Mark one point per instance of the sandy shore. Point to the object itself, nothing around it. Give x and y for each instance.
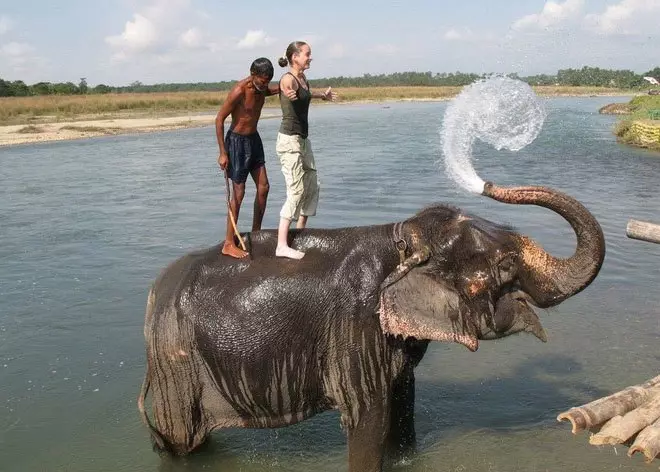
(44, 132)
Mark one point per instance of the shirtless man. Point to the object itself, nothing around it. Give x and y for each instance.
(241, 150)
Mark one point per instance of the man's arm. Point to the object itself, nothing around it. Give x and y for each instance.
(273, 90)
(233, 98)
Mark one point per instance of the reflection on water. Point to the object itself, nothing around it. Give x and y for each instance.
(87, 225)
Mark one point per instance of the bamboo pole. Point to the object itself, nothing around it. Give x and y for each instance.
(643, 230)
(621, 428)
(599, 411)
(647, 442)
(231, 214)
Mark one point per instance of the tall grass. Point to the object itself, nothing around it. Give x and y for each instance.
(16, 110)
(641, 105)
(25, 110)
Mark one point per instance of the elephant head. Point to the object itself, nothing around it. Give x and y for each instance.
(467, 279)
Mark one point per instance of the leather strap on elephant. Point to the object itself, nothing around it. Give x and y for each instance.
(400, 241)
(417, 258)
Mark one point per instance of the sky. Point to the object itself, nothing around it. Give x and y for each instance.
(116, 42)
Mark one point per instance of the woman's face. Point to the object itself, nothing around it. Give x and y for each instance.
(303, 58)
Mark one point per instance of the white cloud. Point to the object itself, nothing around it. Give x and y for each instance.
(627, 17)
(16, 50)
(193, 38)
(138, 35)
(5, 24)
(553, 14)
(253, 39)
(163, 28)
(464, 34)
(22, 60)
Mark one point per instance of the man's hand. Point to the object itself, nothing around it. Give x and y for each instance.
(291, 94)
(329, 94)
(223, 160)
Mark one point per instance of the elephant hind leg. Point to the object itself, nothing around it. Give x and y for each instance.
(366, 440)
(178, 375)
(179, 415)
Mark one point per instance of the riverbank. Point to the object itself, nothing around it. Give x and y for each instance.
(55, 118)
(636, 128)
(67, 130)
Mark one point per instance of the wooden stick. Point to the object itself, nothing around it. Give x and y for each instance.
(598, 411)
(621, 428)
(643, 230)
(647, 442)
(231, 214)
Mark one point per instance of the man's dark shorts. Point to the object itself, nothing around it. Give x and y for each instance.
(245, 152)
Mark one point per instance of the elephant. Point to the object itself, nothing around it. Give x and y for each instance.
(268, 342)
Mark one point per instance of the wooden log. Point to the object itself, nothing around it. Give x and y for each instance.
(647, 442)
(621, 428)
(599, 411)
(643, 230)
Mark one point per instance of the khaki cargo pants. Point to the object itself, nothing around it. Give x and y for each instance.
(302, 184)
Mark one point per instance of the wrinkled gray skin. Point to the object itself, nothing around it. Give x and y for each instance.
(269, 342)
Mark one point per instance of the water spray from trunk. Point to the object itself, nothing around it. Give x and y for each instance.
(503, 112)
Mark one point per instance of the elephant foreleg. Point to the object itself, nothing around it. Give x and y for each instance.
(366, 440)
(401, 440)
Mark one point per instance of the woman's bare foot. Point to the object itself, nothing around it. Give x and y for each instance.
(286, 251)
(230, 249)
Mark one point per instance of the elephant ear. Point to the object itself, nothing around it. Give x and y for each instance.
(412, 304)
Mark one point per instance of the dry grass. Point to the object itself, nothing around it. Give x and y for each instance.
(90, 129)
(30, 129)
(41, 109)
(18, 110)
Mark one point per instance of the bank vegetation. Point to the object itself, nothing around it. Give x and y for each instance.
(57, 108)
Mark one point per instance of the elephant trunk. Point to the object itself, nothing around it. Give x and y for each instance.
(550, 280)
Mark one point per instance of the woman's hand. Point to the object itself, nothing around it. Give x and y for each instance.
(329, 94)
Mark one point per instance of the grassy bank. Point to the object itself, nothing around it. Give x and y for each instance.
(636, 128)
(52, 108)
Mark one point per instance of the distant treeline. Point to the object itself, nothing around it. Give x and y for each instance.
(587, 76)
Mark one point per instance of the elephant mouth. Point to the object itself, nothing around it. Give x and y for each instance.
(513, 313)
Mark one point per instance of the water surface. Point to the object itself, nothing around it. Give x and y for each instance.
(85, 226)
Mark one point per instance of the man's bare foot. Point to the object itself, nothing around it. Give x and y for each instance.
(286, 251)
(230, 249)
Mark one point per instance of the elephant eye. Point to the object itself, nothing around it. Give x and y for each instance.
(506, 264)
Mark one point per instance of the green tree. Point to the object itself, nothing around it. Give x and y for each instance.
(82, 86)
(19, 89)
(101, 89)
(42, 88)
(5, 89)
(67, 88)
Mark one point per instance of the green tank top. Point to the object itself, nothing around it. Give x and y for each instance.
(294, 113)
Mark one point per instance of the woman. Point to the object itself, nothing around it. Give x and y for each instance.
(293, 146)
